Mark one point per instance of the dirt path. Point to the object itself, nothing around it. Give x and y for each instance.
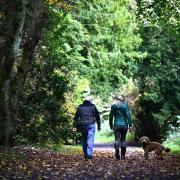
(31, 163)
(110, 145)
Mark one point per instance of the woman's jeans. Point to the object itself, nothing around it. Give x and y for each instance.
(88, 133)
(120, 138)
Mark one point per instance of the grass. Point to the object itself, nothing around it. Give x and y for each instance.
(65, 149)
(107, 135)
(104, 137)
(173, 141)
(68, 149)
(175, 148)
(101, 137)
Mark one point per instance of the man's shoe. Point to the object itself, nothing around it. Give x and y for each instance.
(89, 157)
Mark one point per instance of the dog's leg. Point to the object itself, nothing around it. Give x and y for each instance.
(159, 154)
(146, 155)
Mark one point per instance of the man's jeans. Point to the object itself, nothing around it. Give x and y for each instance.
(88, 133)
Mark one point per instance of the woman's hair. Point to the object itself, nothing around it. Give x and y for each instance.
(123, 96)
(120, 97)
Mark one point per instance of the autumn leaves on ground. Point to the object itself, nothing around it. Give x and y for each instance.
(35, 163)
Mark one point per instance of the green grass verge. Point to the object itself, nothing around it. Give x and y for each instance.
(173, 142)
(175, 148)
(102, 137)
(65, 149)
(107, 135)
(68, 149)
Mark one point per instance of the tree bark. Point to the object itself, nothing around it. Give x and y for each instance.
(12, 30)
(20, 36)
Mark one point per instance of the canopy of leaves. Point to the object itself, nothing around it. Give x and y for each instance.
(164, 13)
(100, 44)
(158, 79)
(109, 42)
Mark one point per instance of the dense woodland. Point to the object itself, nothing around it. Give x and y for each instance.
(54, 52)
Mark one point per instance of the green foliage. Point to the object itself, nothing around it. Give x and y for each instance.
(157, 78)
(41, 116)
(65, 149)
(162, 13)
(107, 135)
(41, 110)
(97, 47)
(109, 44)
(173, 138)
(94, 45)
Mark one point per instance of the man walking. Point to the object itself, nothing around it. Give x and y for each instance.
(87, 113)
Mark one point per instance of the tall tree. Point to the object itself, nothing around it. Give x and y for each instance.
(109, 43)
(158, 82)
(43, 106)
(21, 25)
(158, 71)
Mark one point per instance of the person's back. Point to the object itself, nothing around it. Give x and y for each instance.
(121, 116)
(88, 114)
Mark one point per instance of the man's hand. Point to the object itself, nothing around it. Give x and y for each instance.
(74, 130)
(99, 128)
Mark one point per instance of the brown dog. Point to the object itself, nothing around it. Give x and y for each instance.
(149, 146)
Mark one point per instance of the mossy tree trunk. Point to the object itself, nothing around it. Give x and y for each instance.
(21, 27)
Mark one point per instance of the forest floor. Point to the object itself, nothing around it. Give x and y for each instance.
(26, 162)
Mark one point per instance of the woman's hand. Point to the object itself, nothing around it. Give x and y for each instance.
(98, 128)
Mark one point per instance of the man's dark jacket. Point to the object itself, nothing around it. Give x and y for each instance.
(87, 113)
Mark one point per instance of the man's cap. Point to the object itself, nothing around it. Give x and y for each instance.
(89, 98)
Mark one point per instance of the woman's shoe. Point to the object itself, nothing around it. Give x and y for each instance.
(123, 157)
(117, 154)
(123, 152)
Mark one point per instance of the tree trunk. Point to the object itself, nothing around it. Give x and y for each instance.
(20, 36)
(13, 27)
(147, 126)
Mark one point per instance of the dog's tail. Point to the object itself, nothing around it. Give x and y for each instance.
(167, 149)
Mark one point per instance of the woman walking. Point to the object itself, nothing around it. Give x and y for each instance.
(120, 122)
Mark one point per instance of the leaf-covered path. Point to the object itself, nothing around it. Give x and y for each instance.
(34, 163)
